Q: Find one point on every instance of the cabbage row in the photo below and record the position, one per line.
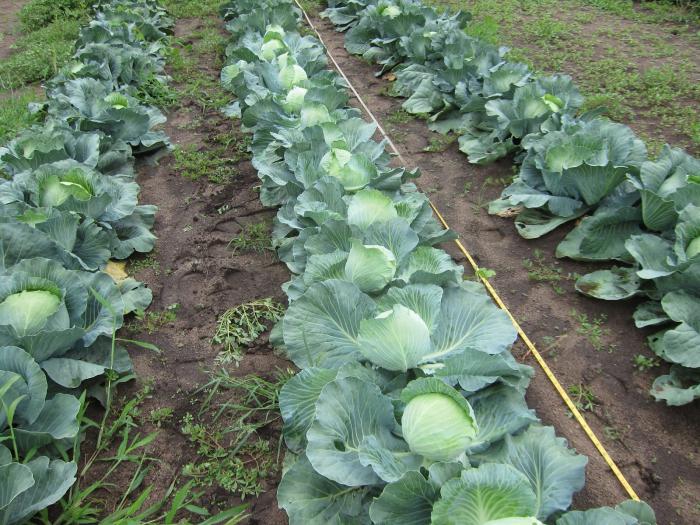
(69, 204)
(409, 407)
(645, 213)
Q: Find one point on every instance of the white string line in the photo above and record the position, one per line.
(352, 87)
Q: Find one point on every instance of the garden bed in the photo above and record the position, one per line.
(591, 345)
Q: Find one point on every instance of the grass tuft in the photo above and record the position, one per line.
(37, 14)
(253, 238)
(39, 55)
(239, 327)
(195, 165)
(15, 114)
(227, 433)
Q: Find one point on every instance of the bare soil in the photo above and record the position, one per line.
(655, 446)
(9, 25)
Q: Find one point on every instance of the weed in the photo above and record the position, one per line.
(684, 11)
(194, 165)
(485, 29)
(229, 462)
(551, 344)
(234, 145)
(121, 449)
(399, 116)
(387, 90)
(490, 182)
(398, 135)
(643, 363)
(239, 327)
(192, 8)
(592, 329)
(186, 59)
(160, 416)
(584, 17)
(439, 143)
(151, 321)
(467, 188)
(312, 6)
(116, 431)
(231, 453)
(485, 273)
(37, 14)
(39, 55)
(205, 93)
(154, 92)
(612, 433)
(139, 263)
(538, 270)
(548, 28)
(14, 113)
(254, 237)
(583, 397)
(208, 41)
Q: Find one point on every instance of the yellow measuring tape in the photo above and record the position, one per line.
(530, 345)
(548, 371)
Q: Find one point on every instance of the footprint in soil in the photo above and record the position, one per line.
(219, 248)
(227, 225)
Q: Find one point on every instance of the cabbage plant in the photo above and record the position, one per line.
(88, 104)
(668, 273)
(666, 186)
(55, 142)
(408, 407)
(56, 314)
(69, 205)
(650, 202)
(569, 172)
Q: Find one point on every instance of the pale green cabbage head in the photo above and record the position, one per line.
(294, 99)
(693, 248)
(271, 49)
(292, 75)
(438, 422)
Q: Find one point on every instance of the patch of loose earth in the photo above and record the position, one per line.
(9, 25)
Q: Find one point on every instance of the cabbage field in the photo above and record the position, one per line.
(226, 297)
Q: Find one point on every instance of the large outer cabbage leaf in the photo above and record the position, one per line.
(555, 471)
(25, 380)
(351, 440)
(308, 497)
(407, 501)
(322, 327)
(51, 480)
(489, 492)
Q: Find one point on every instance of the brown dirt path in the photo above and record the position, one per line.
(655, 446)
(9, 24)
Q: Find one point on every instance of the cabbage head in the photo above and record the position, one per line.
(438, 423)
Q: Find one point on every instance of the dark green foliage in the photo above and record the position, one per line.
(40, 13)
(39, 54)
